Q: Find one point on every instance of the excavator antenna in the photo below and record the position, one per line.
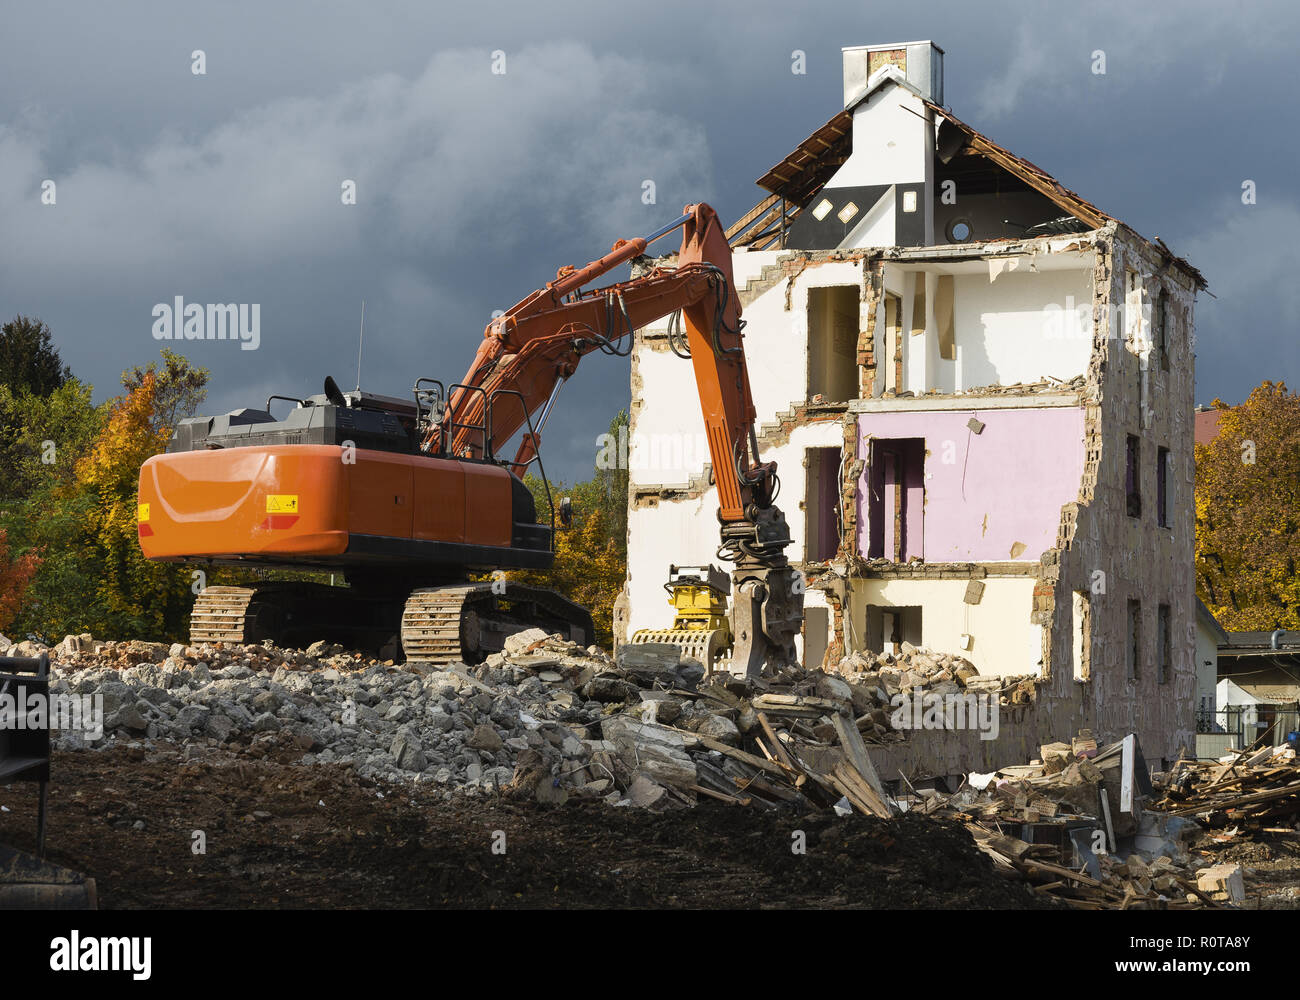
(360, 342)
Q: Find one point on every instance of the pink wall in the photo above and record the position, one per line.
(984, 492)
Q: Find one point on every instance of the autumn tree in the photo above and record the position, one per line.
(1248, 513)
(179, 388)
(134, 596)
(591, 553)
(15, 577)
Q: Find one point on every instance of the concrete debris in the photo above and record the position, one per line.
(529, 719)
(880, 684)
(1222, 882)
(549, 721)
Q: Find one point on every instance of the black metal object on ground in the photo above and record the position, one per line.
(24, 749)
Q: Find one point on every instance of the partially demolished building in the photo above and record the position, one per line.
(978, 390)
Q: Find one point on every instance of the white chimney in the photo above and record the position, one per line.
(921, 64)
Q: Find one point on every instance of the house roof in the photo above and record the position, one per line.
(812, 163)
(976, 143)
(1206, 617)
(1206, 426)
(807, 168)
(1261, 644)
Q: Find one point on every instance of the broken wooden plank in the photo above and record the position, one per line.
(851, 794)
(851, 740)
(764, 787)
(1292, 789)
(720, 796)
(777, 747)
(770, 767)
(849, 777)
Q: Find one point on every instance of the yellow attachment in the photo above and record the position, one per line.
(698, 606)
(709, 646)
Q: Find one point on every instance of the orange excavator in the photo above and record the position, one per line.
(408, 497)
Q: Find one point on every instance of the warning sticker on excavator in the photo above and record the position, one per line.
(142, 513)
(282, 503)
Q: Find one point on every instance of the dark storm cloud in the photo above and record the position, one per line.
(473, 187)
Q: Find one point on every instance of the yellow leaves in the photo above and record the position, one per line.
(1247, 482)
(128, 438)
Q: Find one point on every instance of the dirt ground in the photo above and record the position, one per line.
(280, 834)
(1271, 862)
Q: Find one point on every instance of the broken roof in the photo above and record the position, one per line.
(812, 163)
(805, 171)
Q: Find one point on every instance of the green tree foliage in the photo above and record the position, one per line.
(591, 554)
(1248, 513)
(30, 371)
(74, 504)
(44, 437)
(28, 359)
(179, 388)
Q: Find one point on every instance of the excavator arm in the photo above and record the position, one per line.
(529, 351)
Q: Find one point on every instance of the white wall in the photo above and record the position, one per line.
(776, 351)
(1005, 641)
(687, 532)
(1013, 326)
(891, 140)
(877, 226)
(1207, 665)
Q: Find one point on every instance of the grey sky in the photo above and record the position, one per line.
(473, 188)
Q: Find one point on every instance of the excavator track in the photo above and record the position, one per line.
(462, 622)
(466, 622)
(294, 614)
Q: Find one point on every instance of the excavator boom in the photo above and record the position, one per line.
(530, 350)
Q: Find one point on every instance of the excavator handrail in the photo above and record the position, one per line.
(537, 456)
(452, 424)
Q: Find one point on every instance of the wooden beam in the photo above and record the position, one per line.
(743, 222)
(851, 740)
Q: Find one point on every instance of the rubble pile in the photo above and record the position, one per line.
(548, 720)
(878, 680)
(1074, 823)
(544, 717)
(1254, 789)
(531, 719)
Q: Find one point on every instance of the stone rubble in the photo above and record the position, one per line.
(544, 717)
(530, 718)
